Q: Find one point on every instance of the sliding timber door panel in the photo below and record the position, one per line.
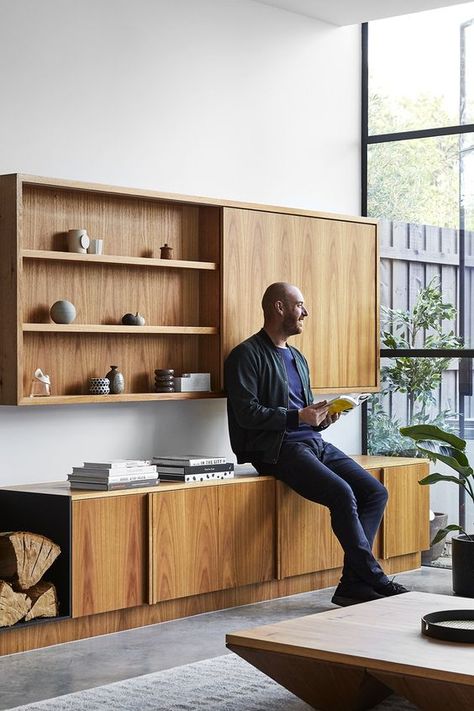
(333, 262)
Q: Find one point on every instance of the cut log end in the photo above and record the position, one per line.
(13, 605)
(44, 601)
(26, 555)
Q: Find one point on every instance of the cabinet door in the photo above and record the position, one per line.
(306, 542)
(109, 553)
(333, 262)
(246, 533)
(211, 538)
(184, 543)
(406, 519)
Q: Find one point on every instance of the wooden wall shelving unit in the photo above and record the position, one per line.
(197, 306)
(180, 298)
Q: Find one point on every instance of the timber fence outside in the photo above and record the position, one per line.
(411, 255)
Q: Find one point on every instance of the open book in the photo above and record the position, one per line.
(345, 403)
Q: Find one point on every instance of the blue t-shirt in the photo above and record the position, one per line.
(296, 400)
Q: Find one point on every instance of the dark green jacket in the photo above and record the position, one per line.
(256, 385)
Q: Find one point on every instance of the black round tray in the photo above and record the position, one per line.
(450, 625)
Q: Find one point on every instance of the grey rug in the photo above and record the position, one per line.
(225, 683)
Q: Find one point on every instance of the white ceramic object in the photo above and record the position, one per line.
(96, 246)
(78, 241)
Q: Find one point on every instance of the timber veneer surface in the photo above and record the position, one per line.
(141, 556)
(352, 658)
(195, 314)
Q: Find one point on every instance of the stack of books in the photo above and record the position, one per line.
(114, 474)
(193, 467)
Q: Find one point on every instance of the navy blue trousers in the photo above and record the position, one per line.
(320, 472)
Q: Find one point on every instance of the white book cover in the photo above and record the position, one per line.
(189, 460)
(112, 485)
(84, 472)
(117, 463)
(147, 476)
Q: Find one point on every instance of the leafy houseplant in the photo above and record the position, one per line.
(417, 377)
(438, 445)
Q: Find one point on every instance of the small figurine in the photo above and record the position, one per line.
(40, 385)
(166, 252)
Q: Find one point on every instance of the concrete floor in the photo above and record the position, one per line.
(64, 668)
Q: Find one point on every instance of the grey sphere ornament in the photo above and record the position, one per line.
(62, 312)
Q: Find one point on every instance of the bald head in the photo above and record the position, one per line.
(279, 291)
(283, 310)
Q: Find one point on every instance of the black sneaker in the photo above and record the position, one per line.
(345, 595)
(391, 588)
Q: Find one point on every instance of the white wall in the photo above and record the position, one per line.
(223, 98)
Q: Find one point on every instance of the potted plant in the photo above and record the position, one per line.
(438, 445)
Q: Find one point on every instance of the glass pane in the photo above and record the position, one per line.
(415, 65)
(415, 390)
(419, 180)
(467, 73)
(466, 183)
(419, 275)
(436, 391)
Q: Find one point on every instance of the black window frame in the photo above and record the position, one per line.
(366, 141)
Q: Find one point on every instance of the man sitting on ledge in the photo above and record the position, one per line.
(274, 424)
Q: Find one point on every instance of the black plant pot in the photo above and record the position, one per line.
(463, 565)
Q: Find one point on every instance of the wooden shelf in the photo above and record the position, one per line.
(124, 397)
(109, 328)
(116, 259)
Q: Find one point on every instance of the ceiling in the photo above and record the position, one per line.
(351, 12)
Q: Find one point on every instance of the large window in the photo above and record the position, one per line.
(418, 180)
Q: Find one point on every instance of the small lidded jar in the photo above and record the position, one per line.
(166, 252)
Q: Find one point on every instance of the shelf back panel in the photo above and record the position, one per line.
(103, 293)
(84, 356)
(130, 226)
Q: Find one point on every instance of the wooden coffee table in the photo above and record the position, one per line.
(351, 658)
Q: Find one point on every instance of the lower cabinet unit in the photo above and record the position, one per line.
(136, 557)
(402, 530)
(210, 538)
(246, 534)
(184, 543)
(109, 554)
(306, 543)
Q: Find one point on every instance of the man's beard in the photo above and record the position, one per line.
(290, 326)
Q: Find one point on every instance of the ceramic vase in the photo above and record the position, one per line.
(116, 380)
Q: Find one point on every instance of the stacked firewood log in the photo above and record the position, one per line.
(24, 559)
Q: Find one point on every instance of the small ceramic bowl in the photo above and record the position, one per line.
(99, 386)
